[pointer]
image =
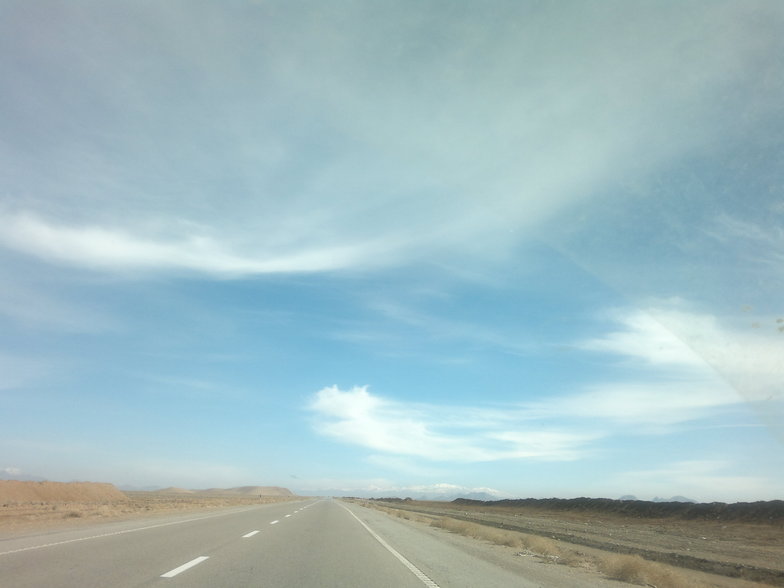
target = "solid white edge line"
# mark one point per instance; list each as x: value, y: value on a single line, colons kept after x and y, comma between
x: 412, y: 568
x: 184, y: 567
x: 251, y: 534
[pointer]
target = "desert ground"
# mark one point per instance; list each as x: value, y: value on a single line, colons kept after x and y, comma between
x: 30, y: 506
x: 663, y: 545
x: 736, y: 545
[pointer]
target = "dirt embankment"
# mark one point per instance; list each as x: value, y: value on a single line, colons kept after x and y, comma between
x: 16, y: 492
x: 36, y: 505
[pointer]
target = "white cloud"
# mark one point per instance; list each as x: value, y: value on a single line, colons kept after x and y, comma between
x: 690, y: 362
x: 646, y: 406
x: 297, y: 152
x: 434, y: 433
x: 119, y: 250
x: 746, y: 357
x: 643, y: 338
x: 672, y: 383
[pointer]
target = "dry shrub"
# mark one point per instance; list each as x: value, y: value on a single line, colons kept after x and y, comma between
x: 402, y: 514
x: 636, y: 570
x: 627, y: 568
x: 574, y: 559
x: 501, y: 537
x: 491, y: 534
x: 452, y: 525
x: 542, y: 546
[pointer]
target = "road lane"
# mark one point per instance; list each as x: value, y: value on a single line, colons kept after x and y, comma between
x: 324, y: 543
x: 456, y: 561
x: 132, y: 556
x: 322, y: 546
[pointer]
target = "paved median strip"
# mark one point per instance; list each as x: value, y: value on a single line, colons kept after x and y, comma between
x: 184, y: 567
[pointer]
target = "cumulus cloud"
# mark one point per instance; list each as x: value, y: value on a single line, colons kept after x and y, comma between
x: 358, y: 417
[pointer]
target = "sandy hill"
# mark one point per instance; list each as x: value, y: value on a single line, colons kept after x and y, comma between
x: 17, y: 491
x: 175, y: 490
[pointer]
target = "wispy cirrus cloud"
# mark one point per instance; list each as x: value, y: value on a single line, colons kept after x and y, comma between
x: 756, y: 242
x: 299, y: 153
x: 119, y: 250
x: 642, y: 338
x: 687, y: 366
x: 35, y: 308
x: 21, y: 371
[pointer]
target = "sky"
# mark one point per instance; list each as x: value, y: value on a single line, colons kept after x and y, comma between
x: 527, y: 249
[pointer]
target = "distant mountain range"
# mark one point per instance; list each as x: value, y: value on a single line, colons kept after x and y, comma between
x: 657, y: 499
x: 445, y: 496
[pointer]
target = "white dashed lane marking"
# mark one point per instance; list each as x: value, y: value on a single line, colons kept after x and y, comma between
x: 32, y: 547
x: 274, y: 522
x: 184, y: 567
x: 251, y: 534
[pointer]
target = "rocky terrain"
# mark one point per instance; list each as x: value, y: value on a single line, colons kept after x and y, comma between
x: 744, y: 540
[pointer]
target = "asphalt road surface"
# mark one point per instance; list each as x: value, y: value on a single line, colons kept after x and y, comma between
x: 320, y: 543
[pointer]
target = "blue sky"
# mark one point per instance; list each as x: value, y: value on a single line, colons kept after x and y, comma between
x: 532, y: 249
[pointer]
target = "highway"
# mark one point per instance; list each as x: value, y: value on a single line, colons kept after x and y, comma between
x: 316, y: 542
